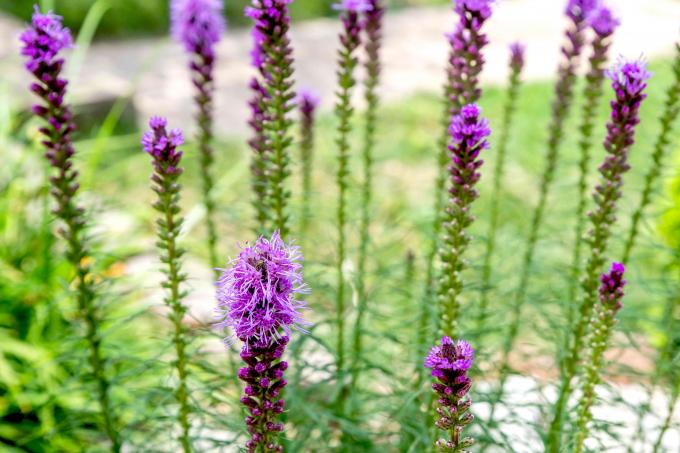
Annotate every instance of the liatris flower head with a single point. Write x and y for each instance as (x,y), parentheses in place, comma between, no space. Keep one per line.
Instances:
(517,51)
(257,293)
(603,21)
(579,10)
(162,144)
(308,102)
(611,288)
(629,79)
(450,363)
(268,12)
(468,133)
(197,24)
(482,7)
(44,39)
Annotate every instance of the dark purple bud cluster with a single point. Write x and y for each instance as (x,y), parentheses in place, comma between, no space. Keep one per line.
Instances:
(264,382)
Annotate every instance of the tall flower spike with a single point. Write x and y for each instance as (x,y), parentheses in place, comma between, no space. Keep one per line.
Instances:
(629,79)
(43,41)
(161,144)
(663,143)
(307,104)
(610,294)
(257,298)
(373,24)
(450,363)
(603,23)
(464,65)
(199,25)
(469,134)
(350,39)
(517,51)
(272,56)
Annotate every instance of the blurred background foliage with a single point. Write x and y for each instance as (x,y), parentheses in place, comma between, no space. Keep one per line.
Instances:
(133,18)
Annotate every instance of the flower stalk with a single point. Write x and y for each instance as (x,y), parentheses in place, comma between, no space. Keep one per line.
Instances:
(611,294)
(663,142)
(516,65)
(308,103)
(43,41)
(469,134)
(350,39)
(603,23)
(161,144)
(257,299)
(273,55)
(198,25)
(628,82)
(464,65)
(373,27)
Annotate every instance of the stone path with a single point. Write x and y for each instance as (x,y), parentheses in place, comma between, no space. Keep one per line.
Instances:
(153,73)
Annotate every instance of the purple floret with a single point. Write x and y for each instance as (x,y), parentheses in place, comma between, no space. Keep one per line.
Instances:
(579,10)
(612,284)
(357,6)
(257,293)
(197,24)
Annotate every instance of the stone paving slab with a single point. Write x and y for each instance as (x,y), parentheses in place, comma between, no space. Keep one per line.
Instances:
(153,72)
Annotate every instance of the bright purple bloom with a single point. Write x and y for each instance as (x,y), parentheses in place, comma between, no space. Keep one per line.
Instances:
(579,10)
(611,288)
(197,24)
(162,144)
(629,79)
(468,134)
(603,21)
(257,293)
(357,6)
(517,52)
(44,40)
(450,363)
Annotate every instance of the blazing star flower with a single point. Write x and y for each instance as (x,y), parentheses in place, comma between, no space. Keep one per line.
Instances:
(44,40)
(517,51)
(162,144)
(468,133)
(481,7)
(308,101)
(450,363)
(603,21)
(612,283)
(257,293)
(197,24)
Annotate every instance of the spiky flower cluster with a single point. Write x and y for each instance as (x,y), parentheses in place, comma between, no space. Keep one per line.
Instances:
(197,24)
(162,144)
(610,294)
(469,134)
(450,363)
(603,21)
(257,293)
(257,298)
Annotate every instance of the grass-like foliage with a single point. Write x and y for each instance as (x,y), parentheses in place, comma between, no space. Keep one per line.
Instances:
(491,320)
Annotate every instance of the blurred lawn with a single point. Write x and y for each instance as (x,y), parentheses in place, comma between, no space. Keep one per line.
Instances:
(130,18)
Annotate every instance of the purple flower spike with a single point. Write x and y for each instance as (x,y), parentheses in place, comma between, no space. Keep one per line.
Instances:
(517,55)
(308,102)
(579,10)
(44,40)
(197,24)
(629,79)
(468,134)
(603,21)
(450,363)
(257,293)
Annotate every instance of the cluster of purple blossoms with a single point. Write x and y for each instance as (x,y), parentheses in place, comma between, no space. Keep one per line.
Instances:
(603,21)
(162,144)
(578,10)
(308,101)
(611,288)
(198,25)
(257,298)
(517,56)
(450,363)
(269,16)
